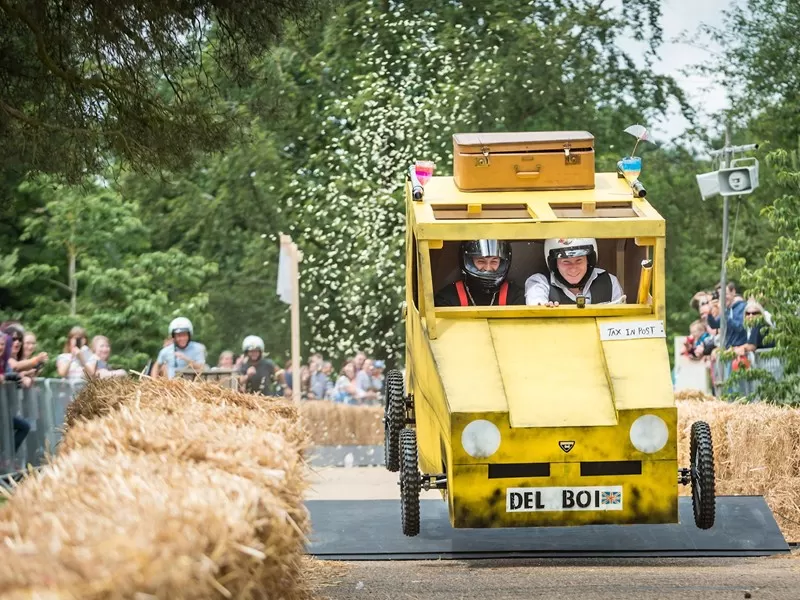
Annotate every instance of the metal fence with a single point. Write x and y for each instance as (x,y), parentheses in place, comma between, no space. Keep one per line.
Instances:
(42,407)
(763,358)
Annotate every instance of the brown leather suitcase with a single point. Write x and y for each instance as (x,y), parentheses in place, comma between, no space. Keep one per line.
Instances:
(538,160)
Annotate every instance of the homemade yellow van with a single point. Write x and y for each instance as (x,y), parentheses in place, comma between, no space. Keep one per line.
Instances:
(530,416)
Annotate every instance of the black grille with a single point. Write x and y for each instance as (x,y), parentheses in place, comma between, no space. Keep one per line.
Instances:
(510,470)
(611,467)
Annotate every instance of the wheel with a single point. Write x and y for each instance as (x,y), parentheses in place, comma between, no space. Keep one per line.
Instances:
(410,480)
(702,474)
(394,419)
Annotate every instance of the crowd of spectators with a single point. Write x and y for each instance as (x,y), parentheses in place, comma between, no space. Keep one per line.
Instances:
(359,380)
(746,330)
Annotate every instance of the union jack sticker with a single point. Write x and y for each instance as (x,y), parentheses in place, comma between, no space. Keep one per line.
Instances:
(610,498)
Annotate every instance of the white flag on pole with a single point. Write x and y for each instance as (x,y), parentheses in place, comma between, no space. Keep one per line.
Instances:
(285,274)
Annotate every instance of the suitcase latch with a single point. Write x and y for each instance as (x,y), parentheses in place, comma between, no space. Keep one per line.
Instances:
(483,161)
(570,159)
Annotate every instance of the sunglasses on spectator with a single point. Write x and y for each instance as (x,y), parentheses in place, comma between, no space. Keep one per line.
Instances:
(753,313)
(16,339)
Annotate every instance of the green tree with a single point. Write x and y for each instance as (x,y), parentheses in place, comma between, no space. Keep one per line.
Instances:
(777,281)
(101,273)
(391,83)
(138,81)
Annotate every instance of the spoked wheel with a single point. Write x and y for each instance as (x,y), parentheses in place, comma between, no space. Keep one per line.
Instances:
(410,480)
(702,474)
(394,419)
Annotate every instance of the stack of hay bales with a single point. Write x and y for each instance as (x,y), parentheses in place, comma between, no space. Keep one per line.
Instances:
(331,424)
(756,452)
(170,489)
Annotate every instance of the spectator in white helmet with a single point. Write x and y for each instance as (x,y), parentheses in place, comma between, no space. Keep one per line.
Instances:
(573,272)
(257,373)
(183,352)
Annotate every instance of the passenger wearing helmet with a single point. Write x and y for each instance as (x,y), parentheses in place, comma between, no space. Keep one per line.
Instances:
(183,352)
(573,272)
(256,373)
(484,272)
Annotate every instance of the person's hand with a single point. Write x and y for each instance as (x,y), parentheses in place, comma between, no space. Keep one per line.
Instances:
(41,358)
(740,350)
(550,304)
(182,356)
(26,382)
(698,351)
(75,351)
(251,371)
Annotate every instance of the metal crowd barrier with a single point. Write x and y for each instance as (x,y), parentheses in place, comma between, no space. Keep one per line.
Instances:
(763,358)
(43,407)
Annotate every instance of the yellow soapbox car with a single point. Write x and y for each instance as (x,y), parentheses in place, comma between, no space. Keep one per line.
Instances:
(527,416)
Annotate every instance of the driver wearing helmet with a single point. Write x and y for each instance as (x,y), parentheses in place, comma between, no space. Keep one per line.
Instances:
(484,272)
(182,352)
(573,272)
(256,373)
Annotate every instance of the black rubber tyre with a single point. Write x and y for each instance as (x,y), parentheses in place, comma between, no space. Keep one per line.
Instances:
(703,479)
(410,480)
(394,419)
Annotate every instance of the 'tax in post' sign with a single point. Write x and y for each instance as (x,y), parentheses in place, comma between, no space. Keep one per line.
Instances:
(631,330)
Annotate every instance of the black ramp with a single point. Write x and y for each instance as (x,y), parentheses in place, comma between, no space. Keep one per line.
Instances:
(370,530)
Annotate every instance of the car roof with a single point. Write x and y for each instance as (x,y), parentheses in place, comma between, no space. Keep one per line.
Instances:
(608,210)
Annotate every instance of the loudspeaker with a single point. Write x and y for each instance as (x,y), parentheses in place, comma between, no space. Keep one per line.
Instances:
(708,184)
(738,179)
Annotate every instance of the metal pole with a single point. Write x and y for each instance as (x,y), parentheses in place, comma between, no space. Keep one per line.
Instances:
(723,283)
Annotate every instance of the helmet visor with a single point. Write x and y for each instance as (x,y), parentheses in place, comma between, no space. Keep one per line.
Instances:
(571,252)
(486,248)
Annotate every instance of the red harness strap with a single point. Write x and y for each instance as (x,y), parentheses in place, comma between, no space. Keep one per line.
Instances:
(503,293)
(462,293)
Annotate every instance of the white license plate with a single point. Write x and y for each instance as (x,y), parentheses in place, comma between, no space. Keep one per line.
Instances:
(540,499)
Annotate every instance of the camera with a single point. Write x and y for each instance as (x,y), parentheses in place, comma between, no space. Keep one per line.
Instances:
(715,295)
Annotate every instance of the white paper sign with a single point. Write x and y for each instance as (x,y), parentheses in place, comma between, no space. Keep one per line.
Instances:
(542,499)
(631,330)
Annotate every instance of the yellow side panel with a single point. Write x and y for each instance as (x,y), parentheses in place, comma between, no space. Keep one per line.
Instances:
(553,372)
(468,368)
(632,363)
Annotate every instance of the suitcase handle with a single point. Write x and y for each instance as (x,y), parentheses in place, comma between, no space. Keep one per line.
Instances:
(527,174)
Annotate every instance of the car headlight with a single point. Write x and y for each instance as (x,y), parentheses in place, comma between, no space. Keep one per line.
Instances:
(480,438)
(649,434)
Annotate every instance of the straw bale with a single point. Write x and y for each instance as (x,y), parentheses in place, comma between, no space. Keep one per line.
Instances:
(332,424)
(129,525)
(756,451)
(163,489)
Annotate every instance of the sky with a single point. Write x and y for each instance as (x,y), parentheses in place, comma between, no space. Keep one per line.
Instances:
(706,96)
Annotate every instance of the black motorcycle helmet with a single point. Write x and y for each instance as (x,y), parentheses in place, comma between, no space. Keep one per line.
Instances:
(489,281)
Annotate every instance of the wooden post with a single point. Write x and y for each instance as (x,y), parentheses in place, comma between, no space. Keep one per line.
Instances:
(295,256)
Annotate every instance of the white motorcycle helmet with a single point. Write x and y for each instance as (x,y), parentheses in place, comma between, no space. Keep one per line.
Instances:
(252,342)
(180,325)
(570,248)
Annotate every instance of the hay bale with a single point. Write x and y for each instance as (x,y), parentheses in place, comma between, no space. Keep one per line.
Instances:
(182,490)
(332,424)
(756,452)
(142,525)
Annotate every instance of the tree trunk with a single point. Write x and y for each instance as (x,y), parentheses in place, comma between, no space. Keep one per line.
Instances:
(73,284)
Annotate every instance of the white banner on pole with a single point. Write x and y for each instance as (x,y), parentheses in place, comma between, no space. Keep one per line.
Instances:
(285,274)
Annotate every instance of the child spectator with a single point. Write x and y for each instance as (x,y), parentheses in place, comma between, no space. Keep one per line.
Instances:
(77,359)
(102,350)
(225,360)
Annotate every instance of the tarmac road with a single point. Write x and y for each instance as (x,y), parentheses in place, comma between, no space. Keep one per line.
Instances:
(559,579)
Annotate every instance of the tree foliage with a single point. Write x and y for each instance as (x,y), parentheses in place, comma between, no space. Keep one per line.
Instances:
(82,82)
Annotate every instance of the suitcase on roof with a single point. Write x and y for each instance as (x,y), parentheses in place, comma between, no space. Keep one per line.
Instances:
(539,160)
